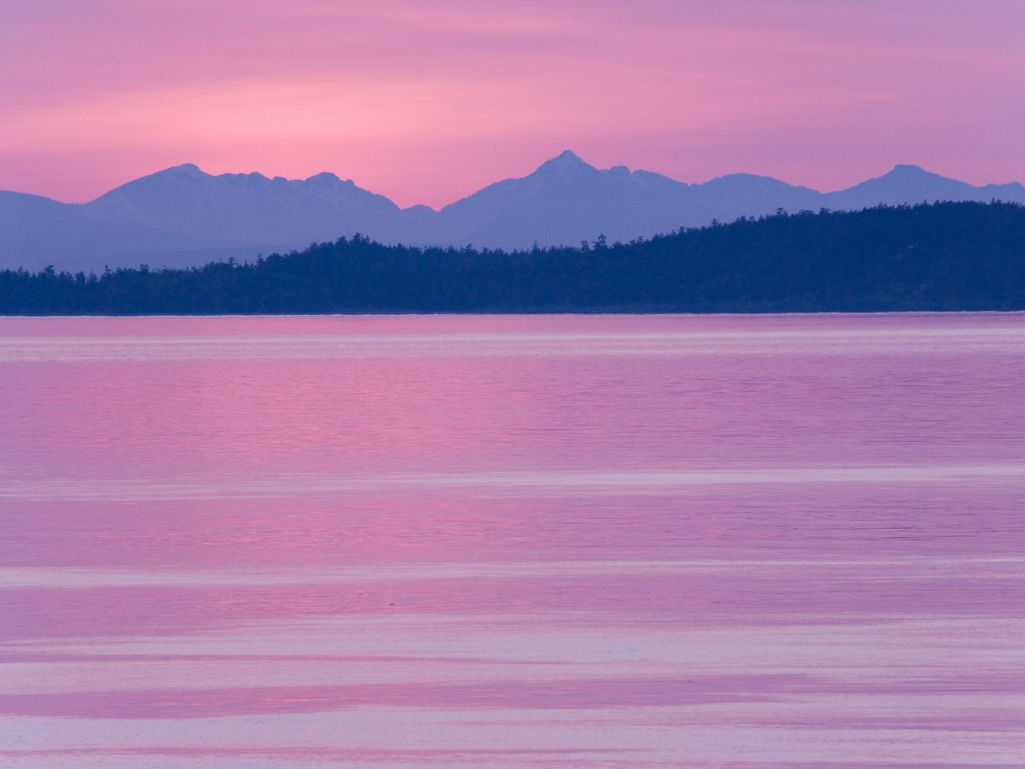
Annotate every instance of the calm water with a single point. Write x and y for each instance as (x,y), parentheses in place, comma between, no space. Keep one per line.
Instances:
(616,542)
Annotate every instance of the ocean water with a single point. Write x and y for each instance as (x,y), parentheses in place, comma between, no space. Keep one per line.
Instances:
(412,542)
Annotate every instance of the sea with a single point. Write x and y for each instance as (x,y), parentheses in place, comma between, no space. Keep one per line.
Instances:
(587,542)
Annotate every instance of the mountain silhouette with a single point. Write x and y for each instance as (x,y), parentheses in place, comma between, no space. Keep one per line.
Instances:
(183,216)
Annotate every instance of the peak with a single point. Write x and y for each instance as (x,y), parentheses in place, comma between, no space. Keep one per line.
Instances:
(324,177)
(908,169)
(907,174)
(566,158)
(185,171)
(567,162)
(185,168)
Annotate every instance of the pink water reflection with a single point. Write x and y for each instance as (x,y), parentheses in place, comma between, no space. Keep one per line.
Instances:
(700,541)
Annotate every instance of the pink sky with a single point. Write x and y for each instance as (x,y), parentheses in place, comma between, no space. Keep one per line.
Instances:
(428,101)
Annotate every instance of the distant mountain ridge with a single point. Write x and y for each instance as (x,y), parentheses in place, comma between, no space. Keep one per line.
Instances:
(183,216)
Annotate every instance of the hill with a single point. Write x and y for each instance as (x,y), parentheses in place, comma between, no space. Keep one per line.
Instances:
(945,256)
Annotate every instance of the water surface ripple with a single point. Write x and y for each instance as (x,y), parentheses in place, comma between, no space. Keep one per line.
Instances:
(772,542)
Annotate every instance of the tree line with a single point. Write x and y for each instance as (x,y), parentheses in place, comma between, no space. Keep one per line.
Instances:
(941,256)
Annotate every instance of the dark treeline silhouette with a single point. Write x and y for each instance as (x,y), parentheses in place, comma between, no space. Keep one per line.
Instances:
(944,256)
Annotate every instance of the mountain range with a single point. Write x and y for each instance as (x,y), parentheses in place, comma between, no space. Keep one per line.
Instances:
(182,216)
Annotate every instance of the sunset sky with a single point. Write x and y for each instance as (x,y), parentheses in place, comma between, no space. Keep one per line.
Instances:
(428,101)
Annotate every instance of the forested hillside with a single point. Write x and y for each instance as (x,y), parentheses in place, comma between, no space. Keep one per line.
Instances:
(945,256)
